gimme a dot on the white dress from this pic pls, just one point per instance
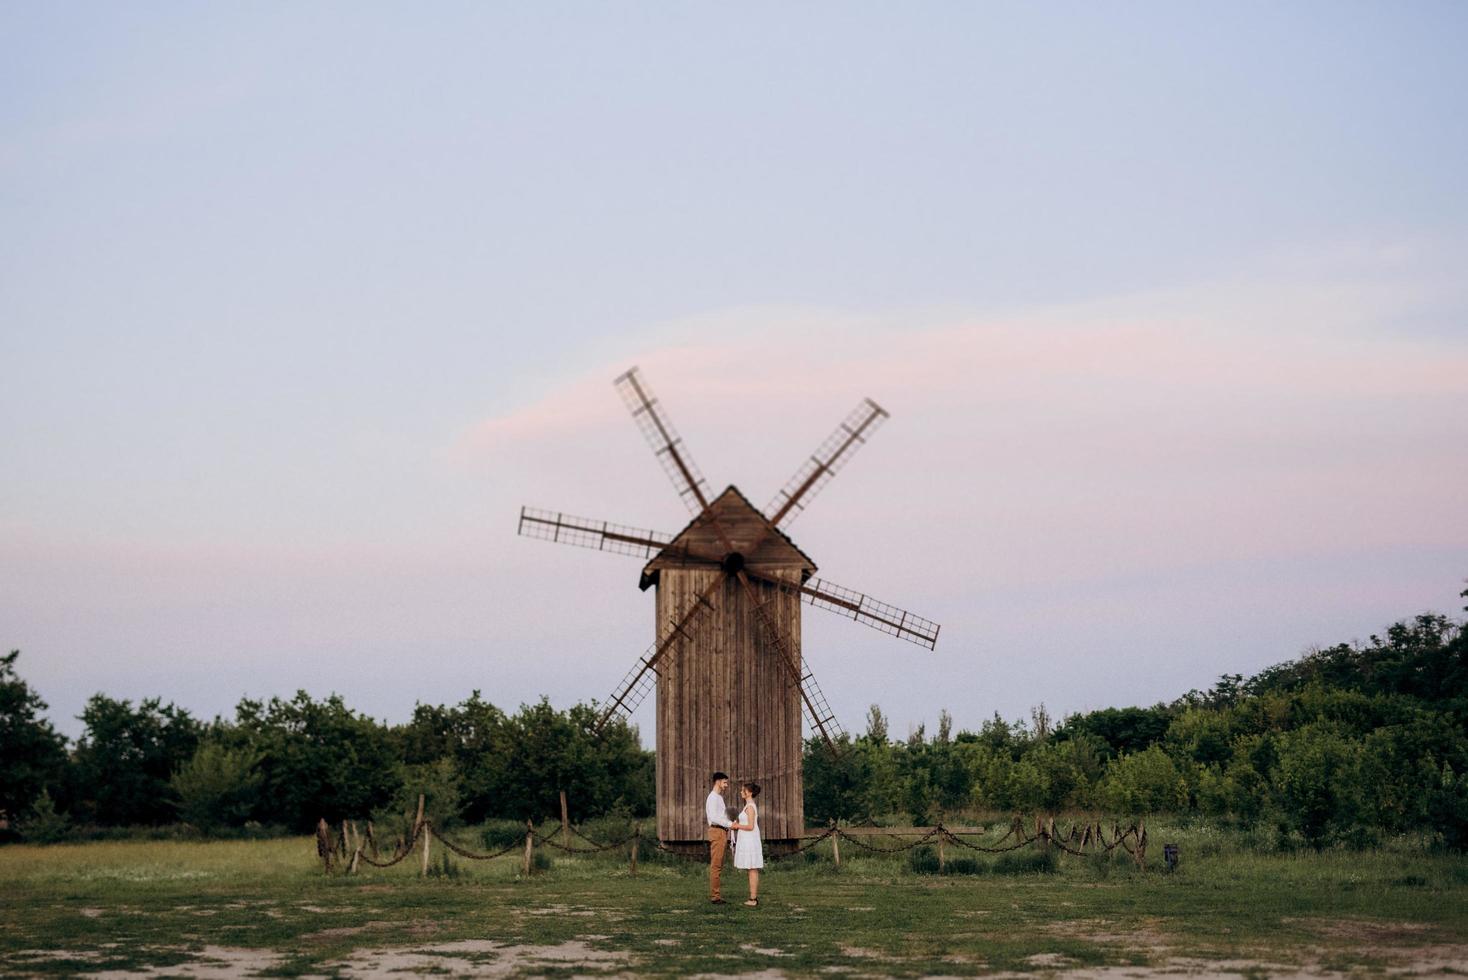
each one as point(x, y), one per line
point(748, 851)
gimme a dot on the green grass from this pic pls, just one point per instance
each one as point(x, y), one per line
point(132, 905)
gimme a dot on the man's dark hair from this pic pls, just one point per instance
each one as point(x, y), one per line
point(717, 776)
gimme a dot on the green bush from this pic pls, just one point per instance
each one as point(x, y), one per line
point(1143, 782)
point(1027, 862)
point(217, 787)
point(43, 825)
point(444, 867)
point(1316, 783)
point(498, 834)
point(924, 861)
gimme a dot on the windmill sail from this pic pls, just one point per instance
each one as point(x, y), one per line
point(816, 711)
point(585, 532)
point(826, 462)
point(666, 444)
point(864, 609)
point(640, 680)
point(880, 616)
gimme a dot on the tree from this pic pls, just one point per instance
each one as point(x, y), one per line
point(1317, 782)
point(43, 823)
point(317, 758)
point(1122, 729)
point(876, 726)
point(219, 786)
point(548, 751)
point(1143, 782)
point(838, 787)
point(32, 754)
point(126, 757)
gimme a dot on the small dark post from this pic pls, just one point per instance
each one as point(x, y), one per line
point(1169, 856)
point(323, 844)
point(565, 822)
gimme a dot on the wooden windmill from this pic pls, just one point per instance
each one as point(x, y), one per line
point(732, 685)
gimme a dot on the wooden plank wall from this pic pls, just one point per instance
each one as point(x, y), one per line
point(725, 702)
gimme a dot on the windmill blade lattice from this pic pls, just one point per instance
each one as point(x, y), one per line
point(864, 609)
point(585, 532)
point(666, 444)
point(641, 679)
point(880, 616)
point(814, 708)
point(826, 462)
point(818, 714)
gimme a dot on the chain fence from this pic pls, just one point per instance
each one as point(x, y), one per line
point(1078, 841)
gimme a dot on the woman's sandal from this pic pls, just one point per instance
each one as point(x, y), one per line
point(753, 903)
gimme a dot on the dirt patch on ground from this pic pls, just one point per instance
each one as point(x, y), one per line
point(1140, 934)
point(1365, 931)
point(209, 963)
point(326, 935)
point(478, 958)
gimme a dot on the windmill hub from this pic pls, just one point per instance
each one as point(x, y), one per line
point(733, 563)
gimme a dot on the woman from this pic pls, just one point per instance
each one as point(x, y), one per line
point(748, 850)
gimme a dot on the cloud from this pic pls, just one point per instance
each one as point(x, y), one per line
point(1256, 417)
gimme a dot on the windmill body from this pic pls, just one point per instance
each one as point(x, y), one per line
point(726, 702)
point(733, 687)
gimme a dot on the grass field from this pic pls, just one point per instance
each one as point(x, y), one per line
point(236, 908)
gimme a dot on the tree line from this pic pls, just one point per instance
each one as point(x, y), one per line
point(1343, 745)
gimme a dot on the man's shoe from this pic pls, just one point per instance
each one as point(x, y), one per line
point(717, 901)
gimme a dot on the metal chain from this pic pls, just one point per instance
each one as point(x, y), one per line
point(1061, 841)
point(888, 850)
point(541, 838)
point(606, 846)
point(464, 852)
point(804, 847)
point(407, 849)
point(1023, 842)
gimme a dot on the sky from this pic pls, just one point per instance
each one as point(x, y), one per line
point(300, 303)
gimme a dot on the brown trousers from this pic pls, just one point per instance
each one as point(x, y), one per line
point(718, 844)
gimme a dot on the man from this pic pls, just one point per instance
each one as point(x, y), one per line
point(719, 825)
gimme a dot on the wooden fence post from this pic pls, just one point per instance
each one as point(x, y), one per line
point(636, 839)
point(418, 820)
point(565, 822)
point(323, 844)
point(427, 837)
point(942, 855)
point(372, 839)
point(836, 842)
point(529, 846)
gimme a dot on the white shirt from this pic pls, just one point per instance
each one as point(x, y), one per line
point(716, 810)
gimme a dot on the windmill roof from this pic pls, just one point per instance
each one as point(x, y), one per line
point(762, 544)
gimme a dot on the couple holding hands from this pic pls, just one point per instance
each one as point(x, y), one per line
point(748, 851)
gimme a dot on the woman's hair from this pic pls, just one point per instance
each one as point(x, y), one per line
point(753, 789)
